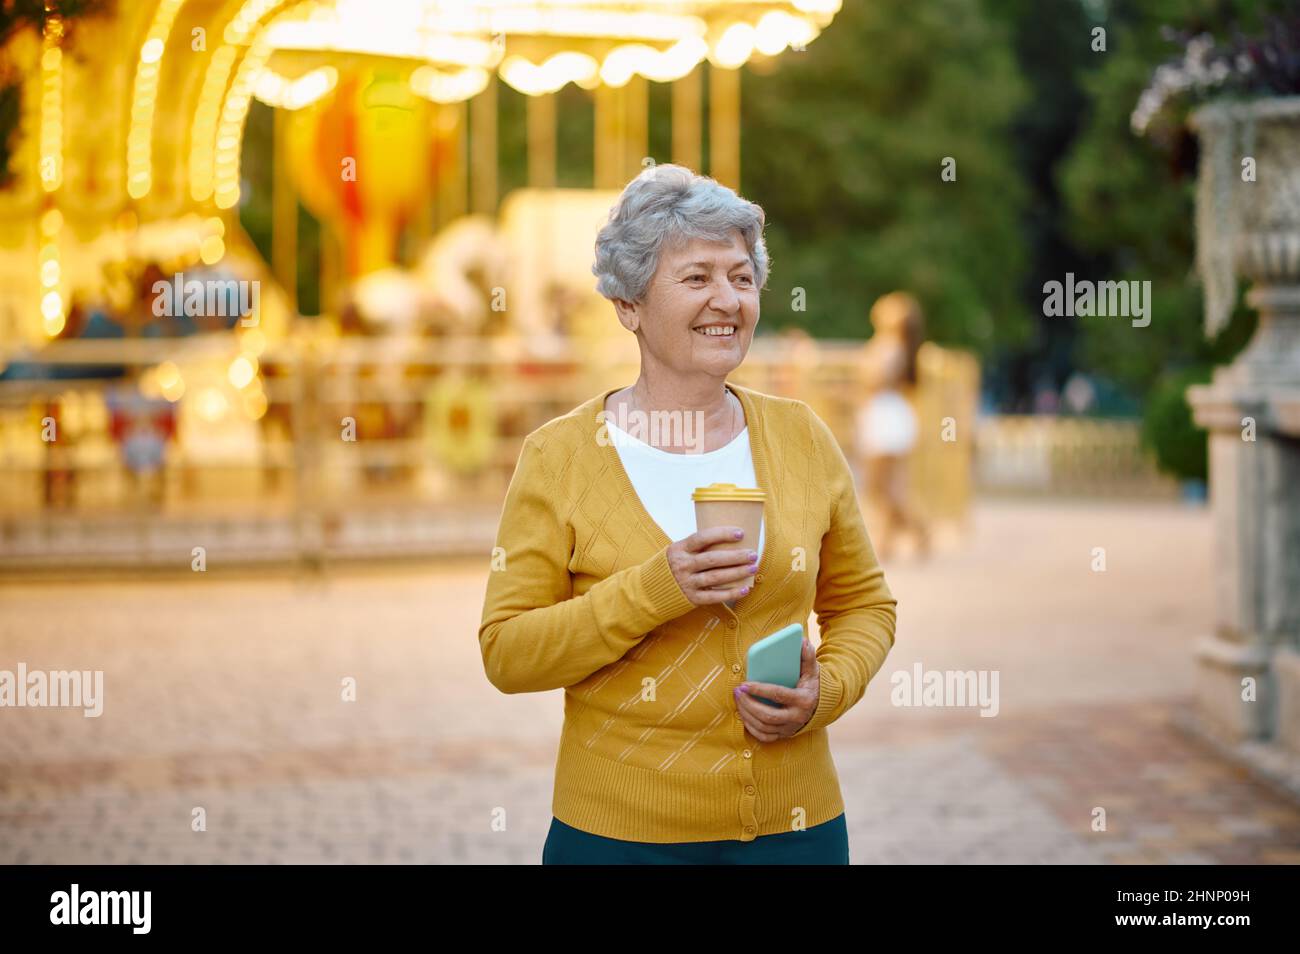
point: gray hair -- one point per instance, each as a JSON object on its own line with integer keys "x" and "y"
{"x": 668, "y": 204}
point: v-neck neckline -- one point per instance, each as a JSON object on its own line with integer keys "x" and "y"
{"x": 757, "y": 449}
{"x": 657, "y": 454}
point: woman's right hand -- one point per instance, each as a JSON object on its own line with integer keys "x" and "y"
{"x": 697, "y": 568}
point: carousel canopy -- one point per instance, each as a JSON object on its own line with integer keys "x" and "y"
{"x": 537, "y": 47}
{"x": 136, "y": 116}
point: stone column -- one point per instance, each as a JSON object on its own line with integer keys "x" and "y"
{"x": 1248, "y": 225}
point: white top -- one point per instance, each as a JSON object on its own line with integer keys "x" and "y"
{"x": 665, "y": 481}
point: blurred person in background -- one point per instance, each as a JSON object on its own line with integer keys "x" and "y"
{"x": 886, "y": 424}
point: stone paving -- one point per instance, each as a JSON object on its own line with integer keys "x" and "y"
{"x": 223, "y": 692}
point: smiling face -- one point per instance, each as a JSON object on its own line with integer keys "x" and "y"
{"x": 700, "y": 308}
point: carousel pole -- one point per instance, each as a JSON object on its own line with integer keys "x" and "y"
{"x": 622, "y": 132}
{"x": 636, "y": 137}
{"x": 688, "y": 128}
{"x": 483, "y": 149}
{"x": 284, "y": 215}
{"x": 724, "y": 125}
{"x": 541, "y": 141}
{"x": 606, "y": 132}
{"x": 423, "y": 222}
{"x": 331, "y": 266}
{"x": 452, "y": 187}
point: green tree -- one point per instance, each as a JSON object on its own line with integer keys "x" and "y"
{"x": 1130, "y": 200}
{"x": 843, "y": 146}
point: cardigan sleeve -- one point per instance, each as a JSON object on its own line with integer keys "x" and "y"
{"x": 856, "y": 612}
{"x": 535, "y": 634}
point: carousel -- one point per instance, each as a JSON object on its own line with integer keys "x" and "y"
{"x": 339, "y": 332}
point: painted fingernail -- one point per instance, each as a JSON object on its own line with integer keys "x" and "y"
{"x": 744, "y": 591}
{"x": 738, "y": 534}
{"x": 742, "y": 689}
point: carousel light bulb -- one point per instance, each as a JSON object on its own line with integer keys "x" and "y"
{"x": 551, "y": 75}
{"x": 170, "y": 381}
{"x": 242, "y": 371}
{"x": 622, "y": 62}
{"x": 207, "y": 114}
{"x": 818, "y": 6}
{"x": 772, "y": 32}
{"x": 50, "y": 273}
{"x": 452, "y": 87}
{"x": 52, "y": 307}
{"x": 212, "y": 248}
{"x": 139, "y": 172}
{"x": 255, "y": 404}
{"x": 734, "y": 46}
{"x": 225, "y": 141}
{"x": 312, "y": 86}
{"x": 51, "y": 121}
{"x": 274, "y": 90}
{"x": 211, "y": 404}
{"x": 678, "y": 60}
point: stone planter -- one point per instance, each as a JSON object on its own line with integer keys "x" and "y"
{"x": 1250, "y": 230}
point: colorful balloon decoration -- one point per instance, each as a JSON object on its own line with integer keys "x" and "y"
{"x": 364, "y": 159}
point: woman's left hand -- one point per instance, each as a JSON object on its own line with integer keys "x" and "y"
{"x": 768, "y": 723}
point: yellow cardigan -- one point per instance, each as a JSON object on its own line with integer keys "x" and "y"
{"x": 581, "y": 597}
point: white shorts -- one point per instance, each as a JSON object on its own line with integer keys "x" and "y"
{"x": 886, "y": 425}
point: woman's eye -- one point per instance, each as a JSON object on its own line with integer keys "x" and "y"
{"x": 746, "y": 279}
{"x": 696, "y": 278}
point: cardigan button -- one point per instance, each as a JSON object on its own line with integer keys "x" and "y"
{"x": 747, "y": 753}
{"x": 749, "y": 789}
{"x": 735, "y": 667}
{"x": 731, "y": 624}
{"x": 758, "y": 578}
{"x": 749, "y": 829}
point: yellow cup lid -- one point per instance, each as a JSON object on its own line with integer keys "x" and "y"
{"x": 728, "y": 492}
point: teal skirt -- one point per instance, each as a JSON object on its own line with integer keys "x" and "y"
{"x": 824, "y": 844}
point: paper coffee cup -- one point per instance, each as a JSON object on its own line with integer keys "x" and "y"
{"x": 726, "y": 505}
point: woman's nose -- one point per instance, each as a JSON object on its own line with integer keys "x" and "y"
{"x": 724, "y": 298}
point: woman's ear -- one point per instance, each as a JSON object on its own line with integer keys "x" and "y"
{"x": 629, "y": 314}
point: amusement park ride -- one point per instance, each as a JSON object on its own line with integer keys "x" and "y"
{"x": 453, "y": 320}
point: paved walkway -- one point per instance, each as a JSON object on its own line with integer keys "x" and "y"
{"x": 223, "y": 692}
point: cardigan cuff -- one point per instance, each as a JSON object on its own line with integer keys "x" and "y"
{"x": 827, "y": 703}
{"x": 666, "y": 599}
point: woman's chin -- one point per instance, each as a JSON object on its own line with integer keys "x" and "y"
{"x": 723, "y": 360}
{"x": 722, "y": 365}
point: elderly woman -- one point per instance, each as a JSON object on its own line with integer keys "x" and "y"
{"x": 603, "y": 587}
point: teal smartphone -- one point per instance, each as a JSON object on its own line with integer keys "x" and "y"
{"x": 775, "y": 659}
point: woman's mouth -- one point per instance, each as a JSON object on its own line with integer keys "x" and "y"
{"x": 716, "y": 331}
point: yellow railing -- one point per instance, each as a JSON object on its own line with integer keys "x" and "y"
{"x": 374, "y": 446}
{"x": 1033, "y": 454}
